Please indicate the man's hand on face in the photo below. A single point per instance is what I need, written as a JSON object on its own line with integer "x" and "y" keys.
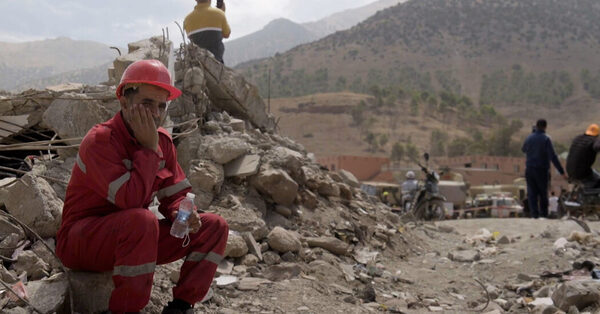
{"x": 142, "y": 124}
{"x": 194, "y": 222}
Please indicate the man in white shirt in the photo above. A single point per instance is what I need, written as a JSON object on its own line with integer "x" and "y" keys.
{"x": 553, "y": 206}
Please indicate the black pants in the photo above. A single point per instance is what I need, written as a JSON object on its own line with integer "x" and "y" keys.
{"x": 593, "y": 181}
{"x": 537, "y": 191}
{"x": 211, "y": 41}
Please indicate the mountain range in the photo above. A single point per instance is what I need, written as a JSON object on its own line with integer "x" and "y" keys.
{"x": 282, "y": 34}
{"x": 488, "y": 50}
{"x": 29, "y": 64}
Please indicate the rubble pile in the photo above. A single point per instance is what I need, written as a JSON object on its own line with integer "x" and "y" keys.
{"x": 572, "y": 290}
{"x": 288, "y": 217}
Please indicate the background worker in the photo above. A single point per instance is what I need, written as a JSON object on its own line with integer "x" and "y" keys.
{"x": 582, "y": 156}
{"x": 540, "y": 152}
{"x": 207, "y": 26}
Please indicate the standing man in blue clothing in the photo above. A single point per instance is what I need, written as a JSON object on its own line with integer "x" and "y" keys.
{"x": 539, "y": 150}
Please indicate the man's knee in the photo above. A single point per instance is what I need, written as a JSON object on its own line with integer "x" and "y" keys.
{"x": 214, "y": 223}
{"x": 140, "y": 221}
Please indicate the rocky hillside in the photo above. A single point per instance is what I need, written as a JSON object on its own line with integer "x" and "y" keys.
{"x": 27, "y": 65}
{"x": 283, "y": 34}
{"x": 499, "y": 51}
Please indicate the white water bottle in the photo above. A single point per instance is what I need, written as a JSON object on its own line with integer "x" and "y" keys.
{"x": 179, "y": 228}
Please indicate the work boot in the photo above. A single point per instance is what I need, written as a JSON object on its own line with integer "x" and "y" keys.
{"x": 178, "y": 307}
{"x": 168, "y": 310}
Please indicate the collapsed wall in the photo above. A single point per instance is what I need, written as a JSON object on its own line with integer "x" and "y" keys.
{"x": 284, "y": 210}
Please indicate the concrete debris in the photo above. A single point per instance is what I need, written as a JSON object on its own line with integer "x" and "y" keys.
{"x": 466, "y": 256}
{"x": 236, "y": 246}
{"x": 41, "y": 210}
{"x": 251, "y": 283}
{"x": 276, "y": 184}
{"x": 10, "y": 125}
{"x": 223, "y": 281}
{"x": 282, "y": 240}
{"x": 91, "y": 291}
{"x": 30, "y": 263}
{"x": 580, "y": 294}
{"x": 271, "y": 258}
{"x": 224, "y": 150}
{"x": 349, "y": 178}
{"x": 249, "y": 260}
{"x": 225, "y": 267}
{"x": 253, "y": 247}
{"x": 42, "y": 251}
{"x": 331, "y": 244}
{"x": 49, "y": 295}
{"x": 282, "y": 271}
{"x": 152, "y": 48}
{"x": 243, "y": 166}
{"x": 69, "y": 118}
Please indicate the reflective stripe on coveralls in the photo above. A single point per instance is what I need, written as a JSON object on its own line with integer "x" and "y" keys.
{"x": 173, "y": 189}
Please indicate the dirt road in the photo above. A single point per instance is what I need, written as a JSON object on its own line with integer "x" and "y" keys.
{"x": 421, "y": 272}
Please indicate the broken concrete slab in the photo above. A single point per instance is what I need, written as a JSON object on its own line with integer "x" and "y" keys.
{"x": 224, "y": 150}
{"x": 66, "y": 88}
{"x": 225, "y": 267}
{"x": 206, "y": 178}
{"x": 33, "y": 201}
{"x": 71, "y": 118}
{"x": 282, "y": 271}
{"x": 277, "y": 184}
{"x": 231, "y": 92}
{"x": 91, "y": 291}
{"x": 30, "y": 263}
{"x": 251, "y": 283}
{"x": 10, "y": 125}
{"x": 349, "y": 178}
{"x": 152, "y": 48}
{"x": 282, "y": 240}
{"x": 243, "y": 166}
{"x": 49, "y": 295}
{"x": 271, "y": 258}
{"x": 580, "y": 294}
{"x": 249, "y": 260}
{"x": 253, "y": 247}
{"x": 466, "y": 256}
{"x": 331, "y": 244}
{"x": 237, "y": 125}
{"x": 236, "y": 246}
{"x": 42, "y": 251}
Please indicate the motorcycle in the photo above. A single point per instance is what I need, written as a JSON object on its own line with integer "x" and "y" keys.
{"x": 579, "y": 201}
{"x": 428, "y": 203}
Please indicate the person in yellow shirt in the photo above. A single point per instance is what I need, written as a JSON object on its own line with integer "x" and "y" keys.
{"x": 207, "y": 26}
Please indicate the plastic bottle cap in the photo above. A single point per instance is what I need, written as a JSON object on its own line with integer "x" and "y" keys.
{"x": 190, "y": 195}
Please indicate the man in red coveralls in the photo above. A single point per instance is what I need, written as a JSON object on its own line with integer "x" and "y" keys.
{"x": 122, "y": 165}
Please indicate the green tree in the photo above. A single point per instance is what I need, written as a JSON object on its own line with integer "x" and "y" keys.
{"x": 383, "y": 139}
{"x": 437, "y": 143}
{"x": 411, "y": 151}
{"x": 371, "y": 139}
{"x": 358, "y": 113}
{"x": 397, "y": 151}
{"x": 458, "y": 147}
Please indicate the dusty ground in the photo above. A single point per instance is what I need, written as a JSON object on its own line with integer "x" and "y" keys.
{"x": 423, "y": 276}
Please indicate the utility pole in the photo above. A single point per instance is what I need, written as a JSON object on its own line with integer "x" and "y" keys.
{"x": 269, "y": 91}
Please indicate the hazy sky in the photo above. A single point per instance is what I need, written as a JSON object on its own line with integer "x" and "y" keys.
{"x": 119, "y": 22}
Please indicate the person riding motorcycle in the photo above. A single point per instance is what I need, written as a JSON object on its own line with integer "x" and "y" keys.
{"x": 409, "y": 187}
{"x": 582, "y": 155}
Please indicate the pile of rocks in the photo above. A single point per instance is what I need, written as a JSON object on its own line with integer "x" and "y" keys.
{"x": 288, "y": 216}
{"x": 549, "y": 291}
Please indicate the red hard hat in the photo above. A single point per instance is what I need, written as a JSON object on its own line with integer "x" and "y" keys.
{"x": 151, "y": 72}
